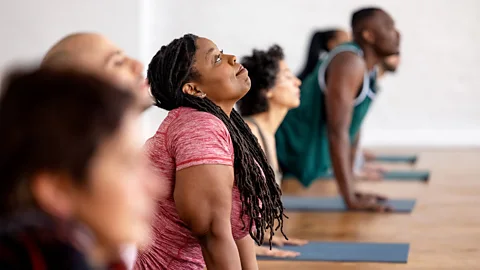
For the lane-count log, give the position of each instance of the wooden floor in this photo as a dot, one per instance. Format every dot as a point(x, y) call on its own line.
point(443, 230)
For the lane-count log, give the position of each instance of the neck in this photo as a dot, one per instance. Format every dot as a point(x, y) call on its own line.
point(98, 254)
point(381, 73)
point(370, 56)
point(271, 119)
point(226, 107)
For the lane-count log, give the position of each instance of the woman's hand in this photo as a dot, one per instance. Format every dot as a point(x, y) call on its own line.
point(275, 252)
point(281, 241)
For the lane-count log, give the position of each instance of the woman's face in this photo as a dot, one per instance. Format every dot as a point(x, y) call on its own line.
point(118, 202)
point(222, 79)
point(286, 91)
point(340, 38)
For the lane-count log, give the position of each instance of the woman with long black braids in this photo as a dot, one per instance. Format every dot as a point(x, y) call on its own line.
point(222, 190)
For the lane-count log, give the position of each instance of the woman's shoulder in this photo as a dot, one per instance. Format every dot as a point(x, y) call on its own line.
point(185, 118)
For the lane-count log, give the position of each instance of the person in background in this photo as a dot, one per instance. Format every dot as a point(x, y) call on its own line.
point(274, 91)
point(96, 54)
point(364, 162)
point(75, 181)
point(389, 65)
point(222, 190)
point(321, 44)
point(323, 132)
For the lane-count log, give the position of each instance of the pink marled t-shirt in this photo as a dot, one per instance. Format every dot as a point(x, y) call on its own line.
point(186, 137)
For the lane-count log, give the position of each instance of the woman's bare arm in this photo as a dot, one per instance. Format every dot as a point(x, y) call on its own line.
point(203, 198)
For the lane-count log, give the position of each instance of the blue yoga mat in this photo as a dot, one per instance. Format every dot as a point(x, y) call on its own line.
point(348, 252)
point(407, 175)
point(335, 204)
point(396, 158)
point(397, 175)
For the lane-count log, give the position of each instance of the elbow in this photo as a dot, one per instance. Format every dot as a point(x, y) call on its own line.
point(199, 229)
point(211, 229)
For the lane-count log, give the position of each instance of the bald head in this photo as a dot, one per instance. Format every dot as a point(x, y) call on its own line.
point(91, 52)
point(79, 50)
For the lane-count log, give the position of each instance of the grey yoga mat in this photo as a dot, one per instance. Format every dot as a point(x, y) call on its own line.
point(348, 252)
point(396, 158)
point(335, 204)
point(397, 175)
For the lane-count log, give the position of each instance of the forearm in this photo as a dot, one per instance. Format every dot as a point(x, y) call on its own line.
point(340, 151)
point(220, 252)
point(246, 249)
point(354, 149)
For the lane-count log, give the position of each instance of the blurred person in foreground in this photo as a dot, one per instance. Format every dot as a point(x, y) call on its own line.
point(75, 181)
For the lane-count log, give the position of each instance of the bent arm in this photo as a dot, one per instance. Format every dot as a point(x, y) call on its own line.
point(203, 198)
point(345, 76)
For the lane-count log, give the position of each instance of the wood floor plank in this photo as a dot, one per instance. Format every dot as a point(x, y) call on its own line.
point(443, 230)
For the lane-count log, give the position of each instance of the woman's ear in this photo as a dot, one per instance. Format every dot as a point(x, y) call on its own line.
point(53, 194)
point(191, 89)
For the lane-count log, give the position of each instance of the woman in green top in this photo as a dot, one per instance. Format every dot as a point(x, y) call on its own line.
point(322, 132)
point(321, 43)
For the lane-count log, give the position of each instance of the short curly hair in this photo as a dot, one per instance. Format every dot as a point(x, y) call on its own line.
point(263, 67)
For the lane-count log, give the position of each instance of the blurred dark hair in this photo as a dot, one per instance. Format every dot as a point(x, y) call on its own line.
point(263, 67)
point(318, 44)
point(359, 17)
point(53, 121)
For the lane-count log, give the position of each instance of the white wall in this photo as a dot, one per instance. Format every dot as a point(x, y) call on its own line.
point(30, 27)
point(432, 100)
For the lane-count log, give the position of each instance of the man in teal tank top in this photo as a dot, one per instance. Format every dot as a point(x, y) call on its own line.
point(323, 132)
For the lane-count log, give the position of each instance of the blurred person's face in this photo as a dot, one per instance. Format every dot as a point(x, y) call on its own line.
point(123, 69)
point(286, 91)
point(118, 202)
point(97, 54)
point(383, 35)
point(391, 63)
point(340, 38)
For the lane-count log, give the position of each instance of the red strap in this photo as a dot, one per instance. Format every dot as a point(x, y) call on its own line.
point(36, 257)
point(117, 266)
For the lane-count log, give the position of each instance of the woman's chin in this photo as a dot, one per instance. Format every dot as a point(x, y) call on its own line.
point(295, 104)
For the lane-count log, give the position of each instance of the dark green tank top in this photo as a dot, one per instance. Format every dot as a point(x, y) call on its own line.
point(302, 138)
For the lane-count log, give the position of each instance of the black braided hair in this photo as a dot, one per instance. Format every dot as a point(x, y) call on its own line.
point(172, 67)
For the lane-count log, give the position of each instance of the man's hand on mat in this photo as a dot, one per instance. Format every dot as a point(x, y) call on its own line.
point(374, 167)
point(373, 172)
point(367, 175)
point(275, 252)
point(367, 201)
point(281, 241)
point(369, 156)
point(370, 197)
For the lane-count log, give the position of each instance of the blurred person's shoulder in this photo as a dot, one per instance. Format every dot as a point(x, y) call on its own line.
point(38, 249)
